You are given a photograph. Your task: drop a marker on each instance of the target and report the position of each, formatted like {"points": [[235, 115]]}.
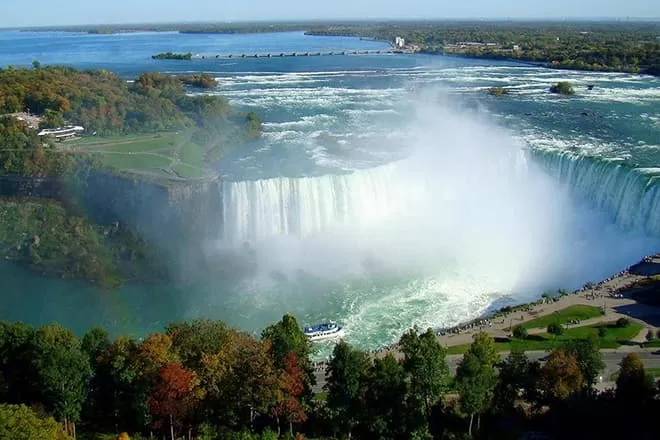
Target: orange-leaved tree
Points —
{"points": [[174, 397], [292, 386]]}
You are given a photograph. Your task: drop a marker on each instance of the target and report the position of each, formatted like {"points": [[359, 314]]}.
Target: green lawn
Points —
{"points": [[185, 170], [579, 312], [136, 161], [159, 153], [614, 337], [192, 154]]}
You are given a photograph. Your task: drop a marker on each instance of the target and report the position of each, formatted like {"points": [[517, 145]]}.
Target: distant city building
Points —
{"points": [[516, 47], [399, 42]]}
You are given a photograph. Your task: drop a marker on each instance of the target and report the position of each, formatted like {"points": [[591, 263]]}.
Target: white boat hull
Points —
{"points": [[327, 337]]}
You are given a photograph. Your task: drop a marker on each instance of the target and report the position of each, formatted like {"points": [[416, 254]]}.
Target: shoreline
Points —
{"points": [[498, 322], [539, 64]]}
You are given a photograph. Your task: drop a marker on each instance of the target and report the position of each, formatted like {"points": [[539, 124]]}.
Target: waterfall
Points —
{"points": [[258, 209], [631, 196]]}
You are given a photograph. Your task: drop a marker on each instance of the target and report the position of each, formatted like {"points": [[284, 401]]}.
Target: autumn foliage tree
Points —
{"points": [[173, 398], [292, 386], [561, 376]]}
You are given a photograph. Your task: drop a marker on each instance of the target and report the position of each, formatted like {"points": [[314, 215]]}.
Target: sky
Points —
{"points": [[76, 12]]}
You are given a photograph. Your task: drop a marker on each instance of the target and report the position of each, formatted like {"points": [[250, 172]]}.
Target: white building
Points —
{"points": [[62, 132], [399, 42]]}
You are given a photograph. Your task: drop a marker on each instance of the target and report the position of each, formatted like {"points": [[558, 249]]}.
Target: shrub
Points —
{"points": [[650, 335], [622, 322], [601, 332], [520, 332], [556, 329], [562, 88], [498, 91], [657, 334]]}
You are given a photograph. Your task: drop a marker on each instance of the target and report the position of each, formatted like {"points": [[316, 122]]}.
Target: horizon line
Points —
{"points": [[301, 21]]}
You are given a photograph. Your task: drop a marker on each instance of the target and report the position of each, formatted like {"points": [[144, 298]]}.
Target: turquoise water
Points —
{"points": [[387, 190]]}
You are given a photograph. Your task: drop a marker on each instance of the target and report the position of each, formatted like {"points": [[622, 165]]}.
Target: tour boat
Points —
{"points": [[327, 330]]}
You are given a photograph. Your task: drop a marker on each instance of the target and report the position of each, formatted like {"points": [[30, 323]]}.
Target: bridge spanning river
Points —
{"points": [[300, 54]]}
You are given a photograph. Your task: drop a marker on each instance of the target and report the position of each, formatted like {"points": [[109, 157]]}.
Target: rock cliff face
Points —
{"points": [[175, 214], [21, 186], [178, 220]]}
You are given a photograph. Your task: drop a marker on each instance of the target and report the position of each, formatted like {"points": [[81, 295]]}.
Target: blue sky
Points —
{"points": [[63, 12]]}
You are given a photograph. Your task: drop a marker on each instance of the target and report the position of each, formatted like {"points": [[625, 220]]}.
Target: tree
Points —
{"points": [[287, 336], [520, 332], [562, 88], [173, 397], [18, 422], [650, 336], [94, 343], [560, 376], [118, 394], [424, 361], [475, 376], [292, 385], [555, 328], [385, 399], [589, 358], [191, 341], [62, 371], [17, 384], [633, 385], [345, 380], [239, 380], [514, 377]]}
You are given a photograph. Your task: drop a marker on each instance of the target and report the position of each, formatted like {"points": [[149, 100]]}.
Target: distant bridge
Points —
{"points": [[299, 54]]}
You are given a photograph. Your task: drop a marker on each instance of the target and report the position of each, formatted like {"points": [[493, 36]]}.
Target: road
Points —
{"points": [[610, 357]]}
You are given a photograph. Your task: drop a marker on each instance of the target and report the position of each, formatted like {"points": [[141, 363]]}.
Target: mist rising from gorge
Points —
{"points": [[467, 203]]}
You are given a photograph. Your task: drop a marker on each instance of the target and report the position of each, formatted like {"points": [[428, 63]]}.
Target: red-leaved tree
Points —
{"points": [[173, 397], [292, 385]]}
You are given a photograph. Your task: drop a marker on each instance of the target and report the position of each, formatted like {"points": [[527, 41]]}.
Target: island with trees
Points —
{"points": [[59, 215], [172, 56]]}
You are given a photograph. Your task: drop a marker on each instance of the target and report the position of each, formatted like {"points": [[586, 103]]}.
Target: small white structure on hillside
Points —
{"points": [[399, 42], [62, 133]]}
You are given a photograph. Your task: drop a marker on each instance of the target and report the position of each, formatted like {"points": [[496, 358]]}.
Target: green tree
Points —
{"points": [[62, 371], [476, 377], [385, 399], [589, 358], [514, 377], [95, 342], [424, 361], [345, 381], [18, 422], [287, 336], [555, 328], [562, 88], [520, 332], [16, 382], [633, 385], [191, 341]]}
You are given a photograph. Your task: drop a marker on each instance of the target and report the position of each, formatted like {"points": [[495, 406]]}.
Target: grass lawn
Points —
{"points": [[579, 312], [614, 337], [136, 161], [185, 170], [148, 152]]}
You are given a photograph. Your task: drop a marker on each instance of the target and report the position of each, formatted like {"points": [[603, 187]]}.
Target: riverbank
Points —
{"points": [[542, 64], [611, 295]]}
